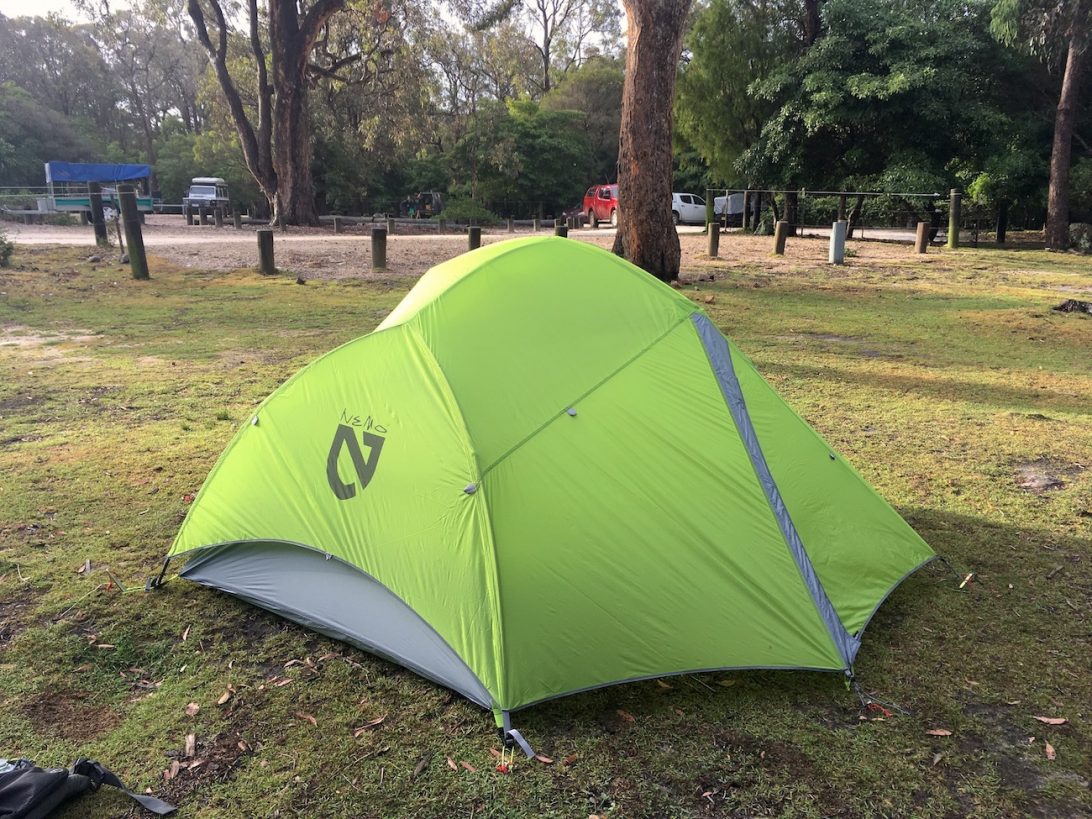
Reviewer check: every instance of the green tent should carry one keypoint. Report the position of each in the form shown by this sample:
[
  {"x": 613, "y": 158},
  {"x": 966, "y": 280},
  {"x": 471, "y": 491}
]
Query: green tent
[{"x": 546, "y": 472}]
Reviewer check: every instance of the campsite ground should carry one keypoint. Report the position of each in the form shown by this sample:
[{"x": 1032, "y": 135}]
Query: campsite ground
[{"x": 946, "y": 379}]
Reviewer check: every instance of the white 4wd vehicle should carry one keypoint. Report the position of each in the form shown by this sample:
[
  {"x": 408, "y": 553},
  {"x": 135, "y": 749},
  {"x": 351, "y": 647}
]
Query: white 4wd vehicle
[
  {"x": 687, "y": 208},
  {"x": 209, "y": 192}
]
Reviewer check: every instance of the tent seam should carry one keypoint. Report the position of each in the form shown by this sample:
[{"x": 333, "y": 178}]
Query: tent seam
[
  {"x": 500, "y": 648},
  {"x": 844, "y": 643},
  {"x": 617, "y": 371}
]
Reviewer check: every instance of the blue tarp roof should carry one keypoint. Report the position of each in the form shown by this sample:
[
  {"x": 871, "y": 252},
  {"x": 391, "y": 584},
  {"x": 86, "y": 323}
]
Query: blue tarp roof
[{"x": 94, "y": 172}]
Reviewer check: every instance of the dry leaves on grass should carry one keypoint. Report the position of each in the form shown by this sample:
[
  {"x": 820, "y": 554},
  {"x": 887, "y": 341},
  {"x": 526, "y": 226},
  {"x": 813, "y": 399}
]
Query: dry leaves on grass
[
  {"x": 451, "y": 764},
  {"x": 545, "y": 760},
  {"x": 367, "y": 726},
  {"x": 191, "y": 745},
  {"x": 1050, "y": 752},
  {"x": 1052, "y": 720},
  {"x": 626, "y": 715},
  {"x": 939, "y": 732},
  {"x": 468, "y": 766},
  {"x": 306, "y": 717},
  {"x": 192, "y": 709},
  {"x": 227, "y": 695}
]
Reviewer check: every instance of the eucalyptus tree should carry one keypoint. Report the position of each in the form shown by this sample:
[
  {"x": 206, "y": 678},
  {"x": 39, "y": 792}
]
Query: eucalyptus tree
[{"x": 1058, "y": 32}]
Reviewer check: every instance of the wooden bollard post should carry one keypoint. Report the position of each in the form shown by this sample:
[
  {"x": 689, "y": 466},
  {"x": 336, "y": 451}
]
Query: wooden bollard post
[
  {"x": 710, "y": 216},
  {"x": 921, "y": 240},
  {"x": 955, "y": 208},
  {"x": 218, "y": 216},
  {"x": 443, "y": 226},
  {"x": 474, "y": 237},
  {"x": 237, "y": 218},
  {"x": 511, "y": 225},
  {"x": 837, "y": 254},
  {"x": 781, "y": 232},
  {"x": 379, "y": 248},
  {"x": 130, "y": 217},
  {"x": 534, "y": 224},
  {"x": 561, "y": 230},
  {"x": 714, "y": 239},
  {"x": 189, "y": 215},
  {"x": 390, "y": 226},
  {"x": 98, "y": 221},
  {"x": 265, "y": 252},
  {"x": 338, "y": 226}
]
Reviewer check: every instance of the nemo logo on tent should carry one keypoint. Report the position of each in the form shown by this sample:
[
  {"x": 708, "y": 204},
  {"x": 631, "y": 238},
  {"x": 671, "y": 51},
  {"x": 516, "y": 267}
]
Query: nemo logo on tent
[{"x": 345, "y": 438}]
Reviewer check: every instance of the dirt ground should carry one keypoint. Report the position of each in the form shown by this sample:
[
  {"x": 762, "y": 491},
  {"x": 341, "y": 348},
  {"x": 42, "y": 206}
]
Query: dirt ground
[{"x": 317, "y": 253}]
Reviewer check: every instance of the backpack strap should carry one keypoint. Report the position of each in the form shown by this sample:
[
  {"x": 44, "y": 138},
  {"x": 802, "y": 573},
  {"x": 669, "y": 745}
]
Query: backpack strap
[{"x": 99, "y": 776}]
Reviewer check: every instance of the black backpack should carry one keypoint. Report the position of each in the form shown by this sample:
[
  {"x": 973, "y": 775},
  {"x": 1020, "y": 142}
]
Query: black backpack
[{"x": 30, "y": 792}]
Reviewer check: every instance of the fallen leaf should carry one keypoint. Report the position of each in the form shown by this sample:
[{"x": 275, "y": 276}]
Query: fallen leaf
[
  {"x": 172, "y": 771},
  {"x": 191, "y": 745},
  {"x": 545, "y": 760},
  {"x": 197, "y": 763},
  {"x": 680, "y": 712},
  {"x": 495, "y": 752},
  {"x": 192, "y": 709},
  {"x": 187, "y": 498},
  {"x": 308, "y": 718},
  {"x": 84, "y": 667},
  {"x": 468, "y": 766},
  {"x": 937, "y": 758},
  {"x": 243, "y": 745},
  {"x": 1053, "y": 720},
  {"x": 939, "y": 732},
  {"x": 726, "y": 683},
  {"x": 422, "y": 763},
  {"x": 225, "y": 696},
  {"x": 451, "y": 764},
  {"x": 1050, "y": 752},
  {"x": 706, "y": 795},
  {"x": 569, "y": 760},
  {"x": 626, "y": 715},
  {"x": 663, "y": 685},
  {"x": 107, "y": 646},
  {"x": 367, "y": 726},
  {"x": 85, "y": 568},
  {"x": 185, "y": 633}
]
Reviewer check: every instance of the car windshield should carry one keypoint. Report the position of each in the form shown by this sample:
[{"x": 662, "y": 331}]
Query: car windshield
[{"x": 202, "y": 190}]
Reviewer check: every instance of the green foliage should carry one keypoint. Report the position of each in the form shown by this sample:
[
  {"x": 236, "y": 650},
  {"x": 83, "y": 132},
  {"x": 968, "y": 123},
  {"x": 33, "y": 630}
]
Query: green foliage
[
  {"x": 593, "y": 93},
  {"x": 7, "y": 247},
  {"x": 468, "y": 210},
  {"x": 31, "y": 135},
  {"x": 1080, "y": 191},
  {"x": 519, "y": 155},
  {"x": 895, "y": 96},
  {"x": 733, "y": 44}
]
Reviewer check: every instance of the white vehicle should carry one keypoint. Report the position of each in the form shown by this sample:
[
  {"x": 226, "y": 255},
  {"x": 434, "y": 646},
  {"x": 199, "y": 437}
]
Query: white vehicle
[
  {"x": 729, "y": 209},
  {"x": 206, "y": 192},
  {"x": 687, "y": 208}
]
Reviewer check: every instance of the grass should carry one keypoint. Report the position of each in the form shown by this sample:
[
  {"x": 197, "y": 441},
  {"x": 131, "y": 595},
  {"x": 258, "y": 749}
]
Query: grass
[{"x": 940, "y": 378}]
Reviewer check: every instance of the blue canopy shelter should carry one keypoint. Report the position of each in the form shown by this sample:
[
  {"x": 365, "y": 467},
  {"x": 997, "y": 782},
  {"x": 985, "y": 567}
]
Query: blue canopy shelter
[{"x": 67, "y": 183}]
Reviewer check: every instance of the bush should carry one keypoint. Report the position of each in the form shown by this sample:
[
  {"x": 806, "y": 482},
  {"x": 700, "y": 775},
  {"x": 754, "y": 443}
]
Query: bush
[
  {"x": 60, "y": 219},
  {"x": 7, "y": 247},
  {"x": 468, "y": 210}
]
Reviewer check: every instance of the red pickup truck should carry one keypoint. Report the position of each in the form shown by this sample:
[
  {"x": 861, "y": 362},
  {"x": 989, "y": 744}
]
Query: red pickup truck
[{"x": 601, "y": 205}]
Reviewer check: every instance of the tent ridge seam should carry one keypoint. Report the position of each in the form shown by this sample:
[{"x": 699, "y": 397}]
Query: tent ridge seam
[
  {"x": 478, "y": 497},
  {"x": 572, "y": 402},
  {"x": 720, "y": 359}
]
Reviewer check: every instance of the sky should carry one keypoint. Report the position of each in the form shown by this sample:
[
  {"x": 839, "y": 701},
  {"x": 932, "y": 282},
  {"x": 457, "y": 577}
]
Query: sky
[{"x": 37, "y": 8}]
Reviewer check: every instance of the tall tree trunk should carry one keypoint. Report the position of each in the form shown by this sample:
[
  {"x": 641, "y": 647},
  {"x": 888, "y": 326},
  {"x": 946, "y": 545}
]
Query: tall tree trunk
[
  {"x": 813, "y": 24},
  {"x": 1057, "y": 226},
  {"x": 646, "y": 235},
  {"x": 295, "y": 200}
]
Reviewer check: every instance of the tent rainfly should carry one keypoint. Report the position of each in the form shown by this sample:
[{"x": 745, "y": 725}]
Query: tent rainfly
[{"x": 543, "y": 473}]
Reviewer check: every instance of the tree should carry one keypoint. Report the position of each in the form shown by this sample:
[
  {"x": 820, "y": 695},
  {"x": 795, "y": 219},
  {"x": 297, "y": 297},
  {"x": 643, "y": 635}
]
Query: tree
[
  {"x": 277, "y": 144},
  {"x": 594, "y": 92},
  {"x": 1049, "y": 29},
  {"x": 646, "y": 235},
  {"x": 733, "y": 44}
]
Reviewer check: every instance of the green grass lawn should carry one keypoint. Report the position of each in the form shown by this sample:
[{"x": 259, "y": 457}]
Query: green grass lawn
[{"x": 947, "y": 381}]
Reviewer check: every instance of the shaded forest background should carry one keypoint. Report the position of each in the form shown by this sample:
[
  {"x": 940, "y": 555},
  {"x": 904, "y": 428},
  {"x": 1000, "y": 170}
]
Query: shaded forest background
[{"x": 516, "y": 108}]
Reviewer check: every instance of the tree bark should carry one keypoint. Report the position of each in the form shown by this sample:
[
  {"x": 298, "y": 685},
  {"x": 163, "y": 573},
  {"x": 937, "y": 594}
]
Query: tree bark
[
  {"x": 646, "y": 235},
  {"x": 1057, "y": 226}
]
